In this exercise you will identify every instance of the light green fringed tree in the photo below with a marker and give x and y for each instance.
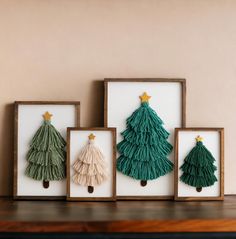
(46, 157)
(144, 149)
(198, 167)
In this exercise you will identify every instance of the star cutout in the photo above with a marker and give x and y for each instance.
(91, 136)
(47, 116)
(145, 97)
(199, 139)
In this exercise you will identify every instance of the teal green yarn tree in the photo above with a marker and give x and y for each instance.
(46, 157)
(144, 149)
(198, 167)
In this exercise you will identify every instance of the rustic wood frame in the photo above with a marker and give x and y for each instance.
(16, 104)
(176, 176)
(113, 197)
(182, 81)
(167, 80)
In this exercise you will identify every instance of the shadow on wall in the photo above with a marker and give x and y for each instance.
(96, 98)
(6, 152)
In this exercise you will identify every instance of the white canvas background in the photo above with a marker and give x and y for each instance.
(104, 140)
(123, 99)
(211, 140)
(29, 120)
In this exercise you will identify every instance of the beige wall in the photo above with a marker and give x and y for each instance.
(60, 49)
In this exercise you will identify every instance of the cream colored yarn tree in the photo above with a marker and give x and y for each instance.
(90, 167)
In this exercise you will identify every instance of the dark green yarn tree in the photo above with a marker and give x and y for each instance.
(198, 167)
(144, 149)
(46, 157)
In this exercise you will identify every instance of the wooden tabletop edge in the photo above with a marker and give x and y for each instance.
(144, 226)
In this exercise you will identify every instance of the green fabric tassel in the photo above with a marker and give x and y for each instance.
(144, 149)
(198, 167)
(46, 157)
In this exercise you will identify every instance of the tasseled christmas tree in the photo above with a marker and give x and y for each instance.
(90, 167)
(198, 167)
(46, 157)
(144, 149)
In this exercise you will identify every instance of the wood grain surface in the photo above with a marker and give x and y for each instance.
(120, 216)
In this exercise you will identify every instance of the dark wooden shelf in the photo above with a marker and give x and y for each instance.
(121, 216)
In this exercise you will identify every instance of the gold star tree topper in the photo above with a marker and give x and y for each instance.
(91, 136)
(199, 138)
(47, 116)
(145, 97)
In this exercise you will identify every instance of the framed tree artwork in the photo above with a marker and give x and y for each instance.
(145, 113)
(40, 147)
(199, 164)
(91, 155)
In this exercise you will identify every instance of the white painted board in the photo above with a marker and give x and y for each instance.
(29, 120)
(122, 101)
(186, 141)
(104, 141)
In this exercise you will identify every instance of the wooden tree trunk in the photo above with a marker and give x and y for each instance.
(45, 184)
(90, 189)
(143, 183)
(199, 189)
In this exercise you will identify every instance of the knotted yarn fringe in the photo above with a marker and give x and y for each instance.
(141, 170)
(90, 167)
(46, 157)
(198, 167)
(47, 138)
(145, 148)
(89, 180)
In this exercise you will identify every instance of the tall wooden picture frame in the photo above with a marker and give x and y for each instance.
(213, 139)
(121, 98)
(28, 118)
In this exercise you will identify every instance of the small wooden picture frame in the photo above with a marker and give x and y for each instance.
(28, 119)
(168, 99)
(185, 141)
(105, 141)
